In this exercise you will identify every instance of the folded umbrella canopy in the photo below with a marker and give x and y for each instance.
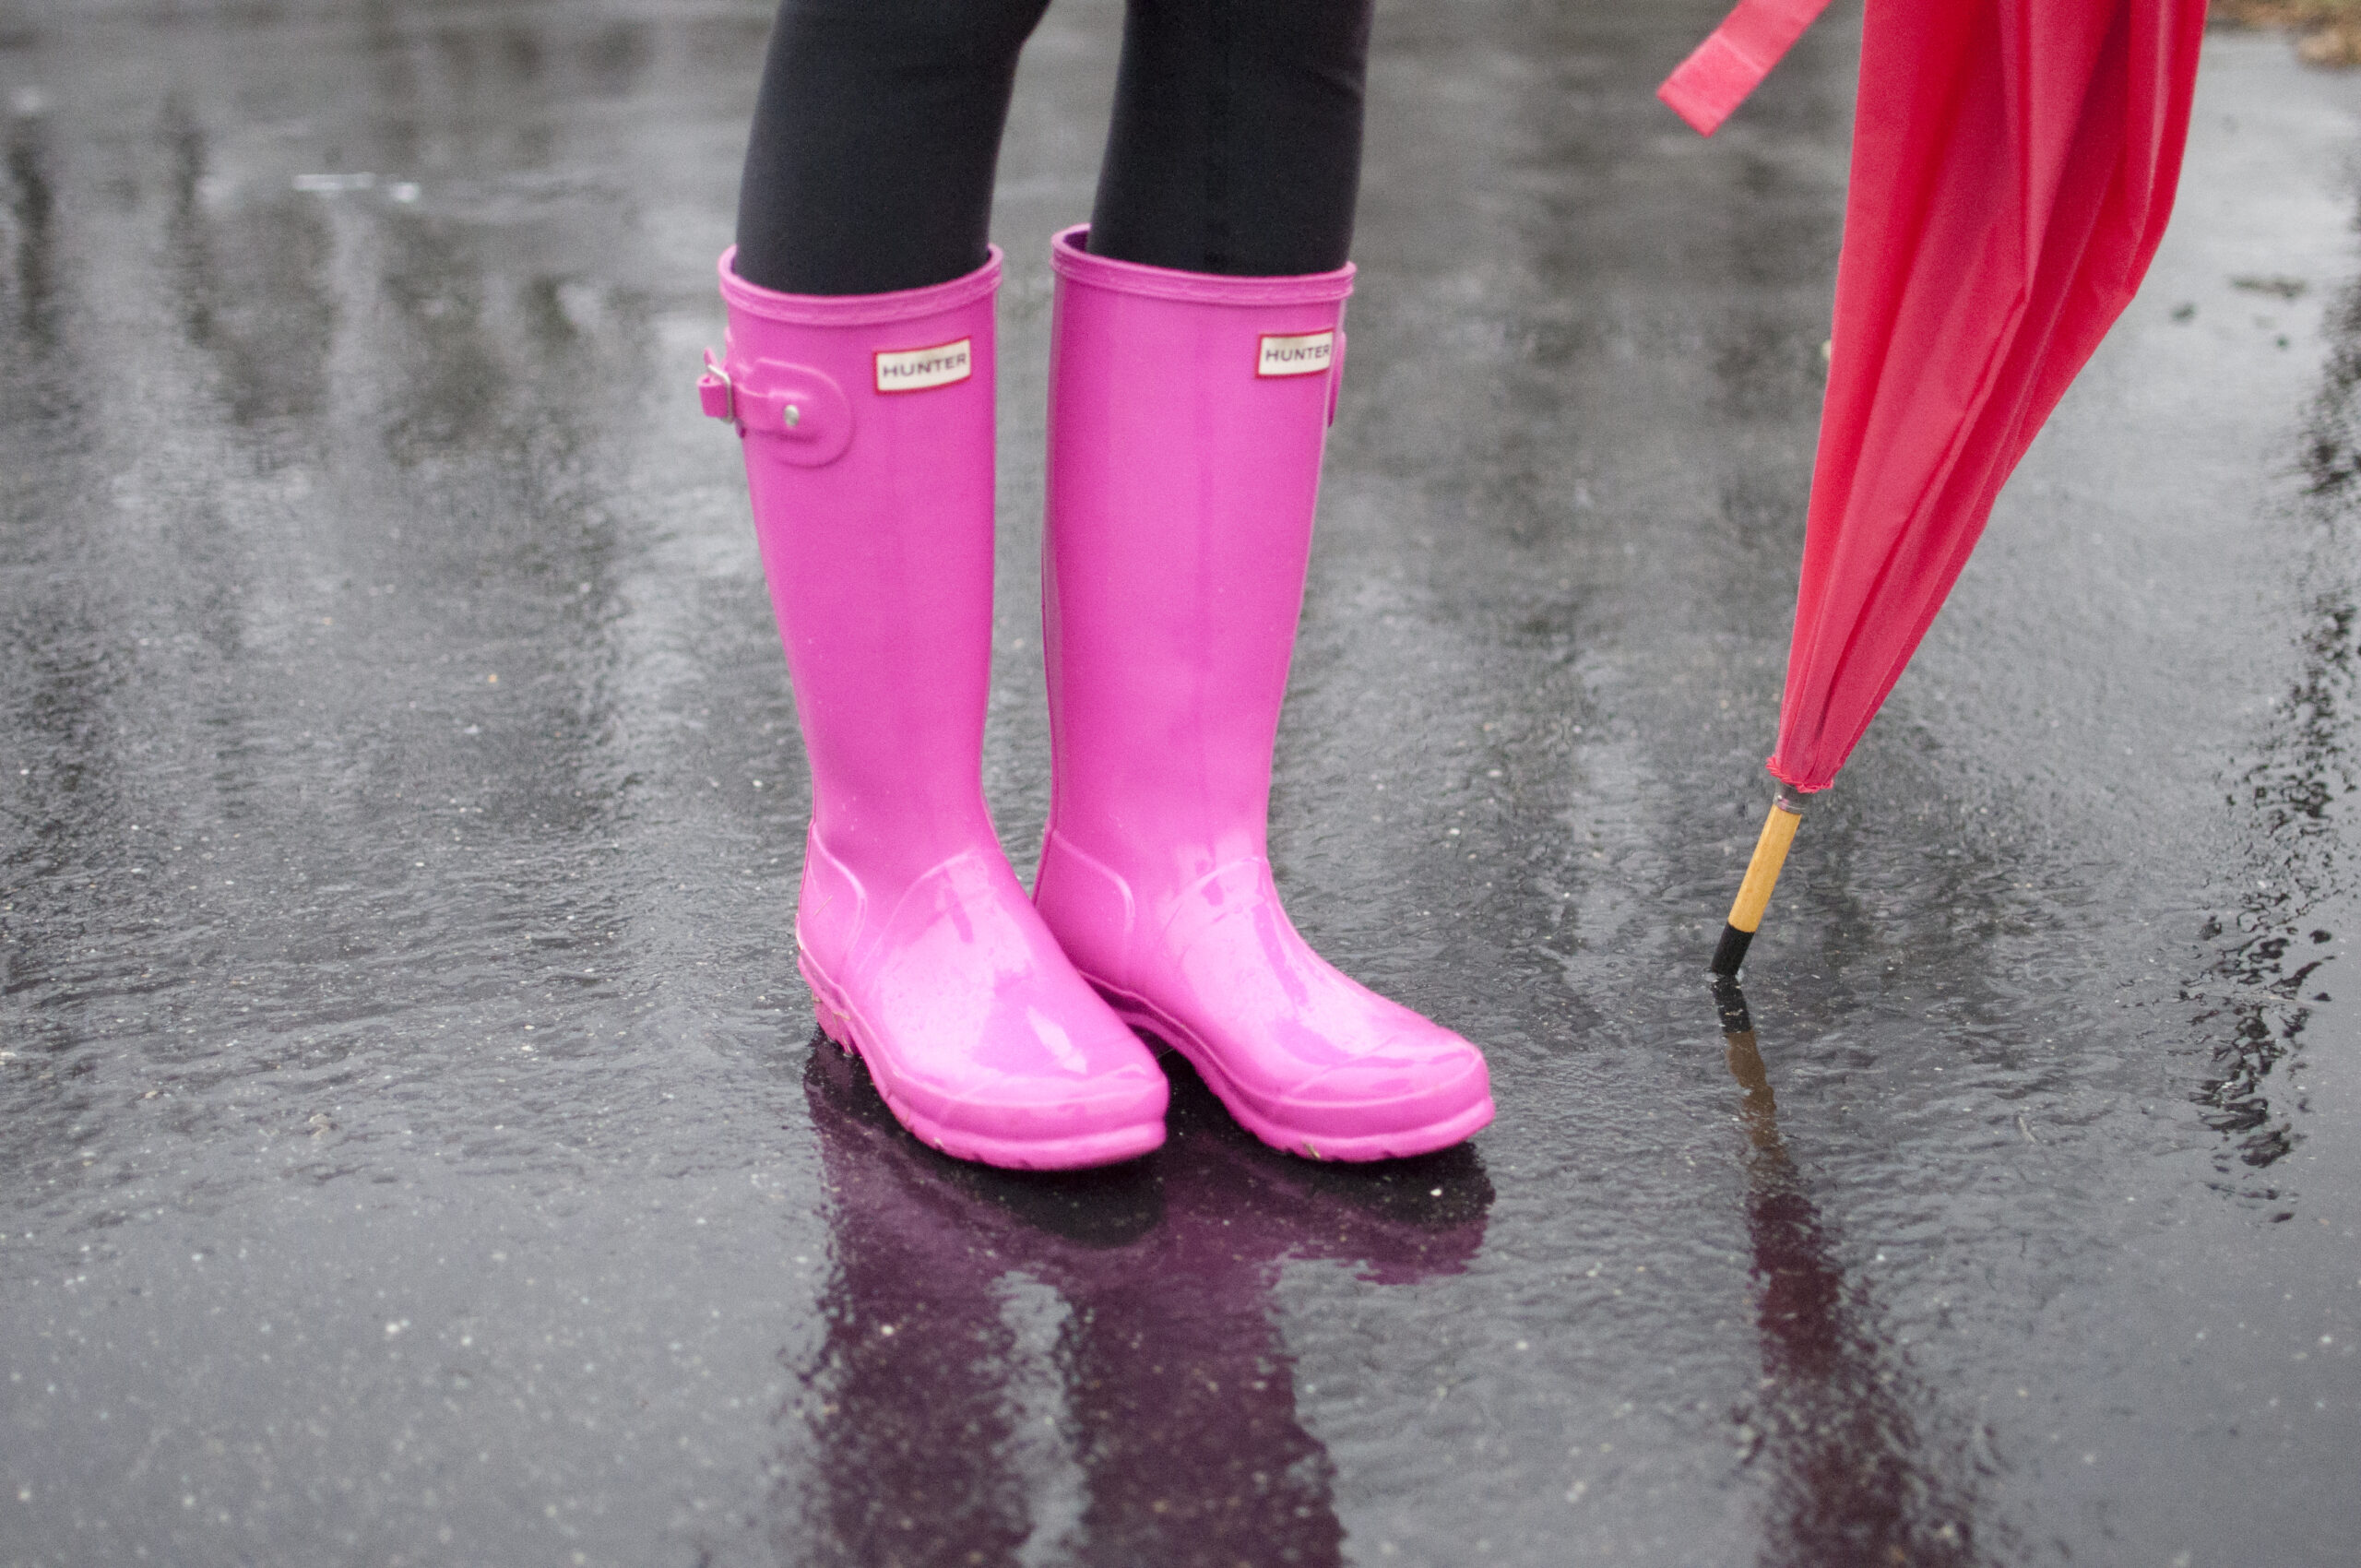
(2014, 164)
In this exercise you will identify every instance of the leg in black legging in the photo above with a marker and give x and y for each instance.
(870, 167)
(1236, 147)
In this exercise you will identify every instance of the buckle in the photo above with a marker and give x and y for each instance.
(716, 392)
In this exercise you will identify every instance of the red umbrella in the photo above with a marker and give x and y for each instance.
(2014, 164)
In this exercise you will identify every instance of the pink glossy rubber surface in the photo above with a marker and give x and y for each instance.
(1181, 489)
(921, 949)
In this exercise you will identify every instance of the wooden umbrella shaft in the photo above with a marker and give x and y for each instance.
(1762, 876)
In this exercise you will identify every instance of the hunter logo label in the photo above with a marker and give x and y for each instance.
(1306, 355)
(915, 370)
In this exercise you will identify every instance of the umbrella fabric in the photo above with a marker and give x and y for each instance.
(2014, 164)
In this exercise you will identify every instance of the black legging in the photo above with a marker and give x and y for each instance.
(1236, 145)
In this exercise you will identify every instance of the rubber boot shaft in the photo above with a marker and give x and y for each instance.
(868, 427)
(1187, 414)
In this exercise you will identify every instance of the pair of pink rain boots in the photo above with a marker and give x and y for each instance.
(1187, 414)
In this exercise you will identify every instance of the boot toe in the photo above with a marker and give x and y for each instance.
(1031, 1121)
(1392, 1074)
(985, 1042)
(1025, 1107)
(1396, 1087)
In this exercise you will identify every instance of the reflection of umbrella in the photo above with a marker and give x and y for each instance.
(1854, 1475)
(2013, 164)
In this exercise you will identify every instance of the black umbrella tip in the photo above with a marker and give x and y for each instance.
(1730, 953)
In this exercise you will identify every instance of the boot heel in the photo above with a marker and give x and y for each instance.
(832, 1023)
(1138, 1020)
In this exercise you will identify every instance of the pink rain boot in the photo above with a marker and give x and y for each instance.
(1187, 414)
(867, 422)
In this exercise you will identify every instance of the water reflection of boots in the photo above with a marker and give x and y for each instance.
(1179, 1393)
(1182, 1384)
(909, 1402)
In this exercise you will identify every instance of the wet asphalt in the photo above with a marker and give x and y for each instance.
(413, 1150)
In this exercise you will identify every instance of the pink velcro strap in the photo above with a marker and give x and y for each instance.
(1733, 61)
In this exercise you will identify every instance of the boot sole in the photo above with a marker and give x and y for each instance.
(1080, 1152)
(1394, 1144)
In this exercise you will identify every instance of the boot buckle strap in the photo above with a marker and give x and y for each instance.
(798, 408)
